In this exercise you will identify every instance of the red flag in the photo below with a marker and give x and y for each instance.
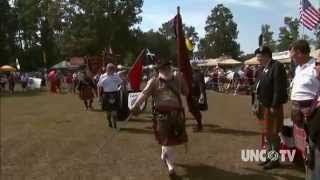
(135, 73)
(182, 55)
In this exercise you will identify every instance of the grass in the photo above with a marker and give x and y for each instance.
(51, 136)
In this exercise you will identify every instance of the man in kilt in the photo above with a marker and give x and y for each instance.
(86, 90)
(271, 89)
(108, 92)
(169, 117)
(304, 94)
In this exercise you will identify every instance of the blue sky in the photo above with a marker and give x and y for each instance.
(248, 14)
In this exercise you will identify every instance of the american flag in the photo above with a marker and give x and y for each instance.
(308, 15)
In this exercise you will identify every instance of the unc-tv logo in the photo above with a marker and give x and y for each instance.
(262, 155)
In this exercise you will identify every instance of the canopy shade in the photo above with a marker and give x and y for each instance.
(229, 62)
(315, 54)
(7, 68)
(61, 65)
(252, 61)
(226, 60)
(209, 62)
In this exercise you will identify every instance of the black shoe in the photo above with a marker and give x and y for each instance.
(197, 129)
(164, 160)
(262, 163)
(271, 165)
(172, 174)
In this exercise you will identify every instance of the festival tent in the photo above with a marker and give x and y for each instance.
(61, 65)
(284, 61)
(283, 57)
(7, 68)
(151, 66)
(121, 67)
(228, 61)
(66, 65)
(209, 62)
(252, 61)
(315, 54)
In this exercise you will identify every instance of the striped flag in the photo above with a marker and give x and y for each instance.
(308, 15)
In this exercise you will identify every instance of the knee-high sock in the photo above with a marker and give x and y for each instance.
(167, 155)
(85, 103)
(275, 142)
(197, 115)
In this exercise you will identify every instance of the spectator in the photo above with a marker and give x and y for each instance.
(305, 89)
(12, 82)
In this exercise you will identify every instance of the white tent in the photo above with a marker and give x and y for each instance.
(252, 61)
(209, 62)
(315, 54)
(283, 57)
(228, 61)
(61, 65)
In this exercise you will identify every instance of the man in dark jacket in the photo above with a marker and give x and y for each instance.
(271, 88)
(199, 97)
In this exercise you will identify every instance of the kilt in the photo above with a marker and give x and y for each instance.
(170, 128)
(314, 127)
(271, 124)
(301, 112)
(111, 101)
(300, 115)
(86, 93)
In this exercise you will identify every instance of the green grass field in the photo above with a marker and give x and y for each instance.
(49, 137)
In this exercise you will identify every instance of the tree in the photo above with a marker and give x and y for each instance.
(268, 37)
(98, 24)
(317, 34)
(288, 33)
(221, 34)
(51, 29)
(8, 31)
(159, 44)
(167, 30)
(190, 32)
(166, 37)
(203, 48)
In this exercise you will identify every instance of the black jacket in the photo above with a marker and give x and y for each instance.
(272, 85)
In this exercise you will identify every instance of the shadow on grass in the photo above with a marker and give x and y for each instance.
(63, 121)
(140, 120)
(206, 172)
(234, 132)
(136, 131)
(216, 129)
(29, 93)
(205, 126)
(97, 110)
(282, 168)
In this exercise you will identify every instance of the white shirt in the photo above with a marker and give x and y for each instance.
(74, 76)
(305, 85)
(109, 83)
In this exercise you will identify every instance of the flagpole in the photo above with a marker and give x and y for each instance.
(302, 14)
(302, 24)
